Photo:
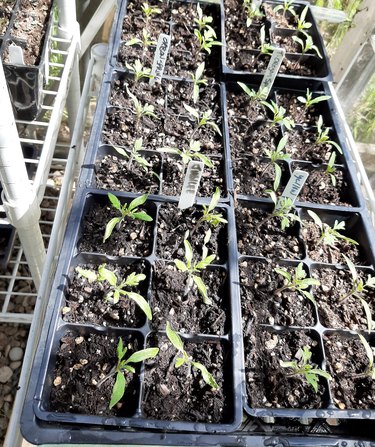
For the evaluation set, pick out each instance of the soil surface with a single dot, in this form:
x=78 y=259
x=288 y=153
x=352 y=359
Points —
x=87 y=303
x=320 y=252
x=268 y=239
x=117 y=173
x=173 y=223
x=30 y=25
x=335 y=312
x=261 y=302
x=185 y=310
x=82 y=363
x=181 y=394
x=347 y=363
x=6 y=8
x=271 y=386
x=133 y=238
x=302 y=115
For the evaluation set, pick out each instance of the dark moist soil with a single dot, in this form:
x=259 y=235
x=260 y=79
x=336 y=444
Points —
x=252 y=176
x=180 y=394
x=173 y=223
x=347 y=362
x=336 y=314
x=297 y=110
x=302 y=146
x=247 y=139
x=269 y=240
x=30 y=25
x=261 y=303
x=114 y=173
x=281 y=20
x=188 y=314
x=134 y=238
x=87 y=303
x=271 y=386
x=318 y=187
x=242 y=112
x=320 y=252
x=286 y=42
x=82 y=361
x=6 y=8
x=212 y=178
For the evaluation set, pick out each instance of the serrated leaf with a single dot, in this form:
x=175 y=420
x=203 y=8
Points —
x=118 y=389
x=207 y=377
x=110 y=226
x=202 y=289
x=142 y=303
x=134 y=279
x=142 y=355
x=174 y=338
x=312 y=379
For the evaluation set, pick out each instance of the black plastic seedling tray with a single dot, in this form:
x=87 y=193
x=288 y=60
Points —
x=25 y=82
x=286 y=76
x=239 y=250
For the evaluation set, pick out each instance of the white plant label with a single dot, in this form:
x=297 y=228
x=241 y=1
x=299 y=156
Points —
x=191 y=182
x=295 y=184
x=271 y=71
x=16 y=55
x=161 y=53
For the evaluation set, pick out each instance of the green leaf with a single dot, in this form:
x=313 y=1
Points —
x=192 y=111
x=107 y=275
x=142 y=303
x=205 y=262
x=110 y=226
x=308 y=295
x=215 y=127
x=137 y=202
x=315 y=218
x=207 y=377
x=202 y=289
x=214 y=201
x=143 y=355
x=199 y=71
x=367 y=310
x=174 y=338
x=288 y=364
x=134 y=279
x=284 y=273
x=352 y=269
x=129 y=368
x=133 y=41
x=188 y=253
x=205 y=159
x=278 y=173
x=312 y=379
x=118 y=389
x=181 y=265
x=369 y=353
x=114 y=201
x=321 y=373
x=121 y=350
x=88 y=274
x=179 y=362
x=142 y=215
x=120 y=151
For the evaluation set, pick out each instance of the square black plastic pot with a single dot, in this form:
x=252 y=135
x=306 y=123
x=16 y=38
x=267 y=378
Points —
x=322 y=67
x=25 y=82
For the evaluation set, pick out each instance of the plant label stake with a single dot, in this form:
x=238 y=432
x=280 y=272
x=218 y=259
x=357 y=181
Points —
x=191 y=182
x=295 y=184
x=160 y=58
x=16 y=55
x=271 y=72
